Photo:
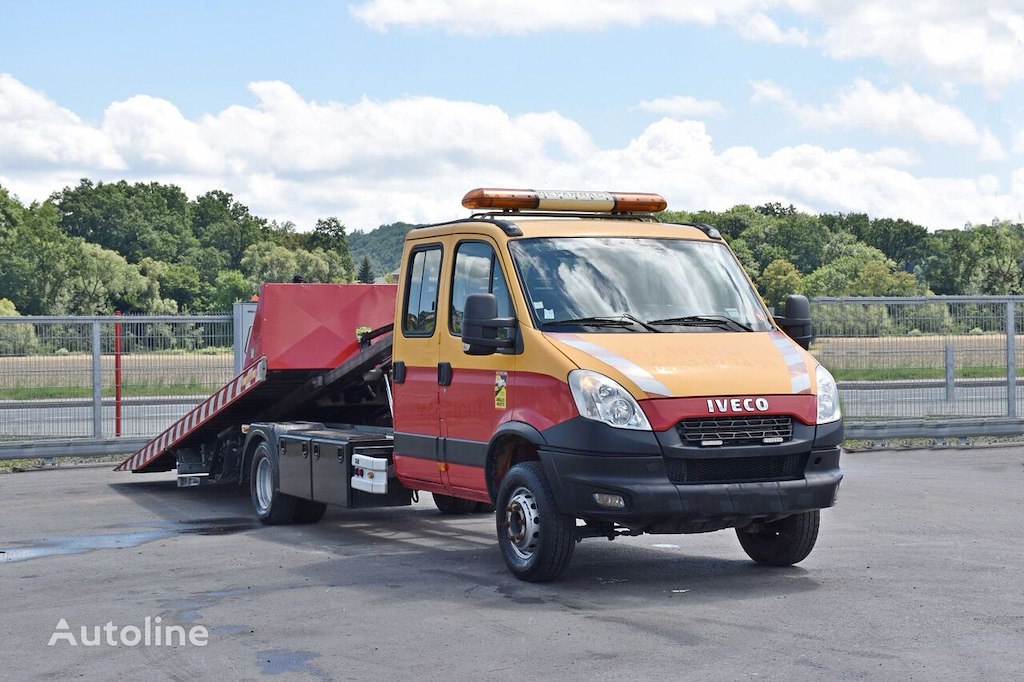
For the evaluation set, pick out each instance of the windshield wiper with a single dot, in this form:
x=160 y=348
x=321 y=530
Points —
x=704 y=321
x=621 y=320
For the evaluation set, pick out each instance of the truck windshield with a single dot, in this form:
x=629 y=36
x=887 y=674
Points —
x=623 y=284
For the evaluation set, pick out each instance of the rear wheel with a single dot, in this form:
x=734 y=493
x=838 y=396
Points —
x=272 y=507
x=536 y=541
x=447 y=504
x=782 y=543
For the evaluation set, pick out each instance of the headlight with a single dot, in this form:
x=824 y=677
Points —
x=601 y=399
x=828 y=397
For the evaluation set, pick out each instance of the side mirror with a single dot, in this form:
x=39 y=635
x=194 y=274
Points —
x=796 y=320
x=480 y=325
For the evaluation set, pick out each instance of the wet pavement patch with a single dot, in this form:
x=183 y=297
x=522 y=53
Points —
x=278 y=661
x=158 y=530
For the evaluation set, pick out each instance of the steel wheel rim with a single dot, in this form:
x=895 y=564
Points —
x=264 y=485
x=522 y=523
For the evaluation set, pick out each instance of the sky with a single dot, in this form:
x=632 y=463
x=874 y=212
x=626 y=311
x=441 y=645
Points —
x=378 y=111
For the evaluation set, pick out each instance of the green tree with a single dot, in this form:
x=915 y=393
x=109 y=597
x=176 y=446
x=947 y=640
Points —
x=101 y=281
x=779 y=279
x=224 y=224
x=178 y=281
x=383 y=246
x=953 y=263
x=329 y=235
x=229 y=287
x=15 y=339
x=35 y=256
x=365 y=271
x=1002 y=246
x=900 y=240
x=135 y=220
x=865 y=272
x=797 y=237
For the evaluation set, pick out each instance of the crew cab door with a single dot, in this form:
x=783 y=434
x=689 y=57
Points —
x=415 y=373
x=476 y=396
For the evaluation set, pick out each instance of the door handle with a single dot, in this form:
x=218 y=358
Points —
x=398 y=372
x=444 y=374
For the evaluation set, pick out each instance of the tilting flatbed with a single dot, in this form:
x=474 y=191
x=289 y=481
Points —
x=297 y=353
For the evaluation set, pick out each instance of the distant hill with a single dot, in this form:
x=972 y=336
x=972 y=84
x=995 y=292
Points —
x=383 y=246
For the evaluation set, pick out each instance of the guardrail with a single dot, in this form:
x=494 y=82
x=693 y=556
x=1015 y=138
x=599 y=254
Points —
x=928 y=367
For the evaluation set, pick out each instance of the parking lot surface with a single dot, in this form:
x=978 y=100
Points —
x=918 y=574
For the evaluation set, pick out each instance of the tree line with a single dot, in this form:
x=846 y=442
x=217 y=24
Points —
x=148 y=248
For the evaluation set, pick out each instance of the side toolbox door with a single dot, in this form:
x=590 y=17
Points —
x=415 y=372
x=294 y=466
x=330 y=467
x=477 y=398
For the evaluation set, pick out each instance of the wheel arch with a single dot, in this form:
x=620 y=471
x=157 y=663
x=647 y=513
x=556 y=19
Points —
x=512 y=443
x=253 y=439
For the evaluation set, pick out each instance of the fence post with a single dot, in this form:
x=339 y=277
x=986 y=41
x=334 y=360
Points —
x=97 y=382
x=950 y=378
x=1011 y=359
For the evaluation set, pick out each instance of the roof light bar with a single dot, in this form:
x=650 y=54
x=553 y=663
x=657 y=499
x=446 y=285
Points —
x=561 y=200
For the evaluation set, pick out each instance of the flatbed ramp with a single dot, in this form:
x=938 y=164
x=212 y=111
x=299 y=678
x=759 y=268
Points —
x=304 y=343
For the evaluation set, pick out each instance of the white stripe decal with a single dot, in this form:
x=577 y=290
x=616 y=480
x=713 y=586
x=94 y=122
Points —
x=637 y=374
x=800 y=380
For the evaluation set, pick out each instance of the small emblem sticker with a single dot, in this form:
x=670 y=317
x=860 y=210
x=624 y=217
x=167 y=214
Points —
x=500 y=390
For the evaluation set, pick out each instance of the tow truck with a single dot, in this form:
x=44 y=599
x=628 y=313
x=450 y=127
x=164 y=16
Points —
x=561 y=358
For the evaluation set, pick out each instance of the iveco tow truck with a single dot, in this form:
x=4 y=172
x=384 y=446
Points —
x=559 y=357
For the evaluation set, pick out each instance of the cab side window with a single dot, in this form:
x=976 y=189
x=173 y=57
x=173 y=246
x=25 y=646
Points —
x=477 y=272
x=420 y=315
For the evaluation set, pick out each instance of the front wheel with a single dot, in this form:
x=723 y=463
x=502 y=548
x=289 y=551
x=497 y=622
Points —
x=782 y=543
x=536 y=541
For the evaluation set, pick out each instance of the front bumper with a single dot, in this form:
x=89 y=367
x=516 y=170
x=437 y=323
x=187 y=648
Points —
x=640 y=474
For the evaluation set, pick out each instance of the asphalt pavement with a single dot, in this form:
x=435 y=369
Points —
x=918 y=574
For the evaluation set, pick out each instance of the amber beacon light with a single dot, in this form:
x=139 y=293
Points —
x=564 y=200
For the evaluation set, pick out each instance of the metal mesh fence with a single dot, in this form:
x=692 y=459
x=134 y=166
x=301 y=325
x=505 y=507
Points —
x=898 y=361
x=63 y=377
x=922 y=358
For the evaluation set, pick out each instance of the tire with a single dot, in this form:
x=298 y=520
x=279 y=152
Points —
x=272 y=507
x=308 y=511
x=536 y=541
x=453 y=505
x=782 y=543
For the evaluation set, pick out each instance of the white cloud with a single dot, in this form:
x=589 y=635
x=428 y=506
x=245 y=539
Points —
x=412 y=159
x=682 y=105
x=151 y=133
x=1018 y=141
x=37 y=133
x=530 y=16
x=762 y=28
x=900 y=112
x=977 y=42
x=991 y=147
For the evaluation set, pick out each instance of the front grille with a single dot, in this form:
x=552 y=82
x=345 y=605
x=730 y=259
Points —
x=736 y=469
x=735 y=430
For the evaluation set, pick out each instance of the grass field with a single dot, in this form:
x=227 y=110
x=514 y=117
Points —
x=916 y=357
x=70 y=376
x=155 y=374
